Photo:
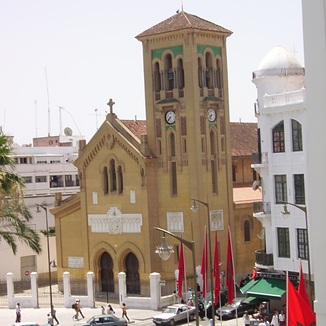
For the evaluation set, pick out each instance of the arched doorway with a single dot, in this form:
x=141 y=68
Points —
x=132 y=274
x=106 y=266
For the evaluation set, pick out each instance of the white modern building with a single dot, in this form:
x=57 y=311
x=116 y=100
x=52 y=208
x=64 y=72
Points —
x=281 y=113
x=47 y=170
x=314 y=31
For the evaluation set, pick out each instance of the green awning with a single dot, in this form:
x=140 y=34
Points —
x=249 y=299
x=248 y=285
x=266 y=288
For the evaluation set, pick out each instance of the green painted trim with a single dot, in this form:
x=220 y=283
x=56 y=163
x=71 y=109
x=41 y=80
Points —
x=157 y=54
x=216 y=50
x=168 y=127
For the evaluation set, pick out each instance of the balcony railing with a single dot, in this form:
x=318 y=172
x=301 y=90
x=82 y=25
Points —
x=262 y=207
x=264 y=259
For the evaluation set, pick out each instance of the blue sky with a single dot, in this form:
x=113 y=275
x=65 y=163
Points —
x=75 y=54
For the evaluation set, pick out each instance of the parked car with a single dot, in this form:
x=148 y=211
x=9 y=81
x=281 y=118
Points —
x=238 y=307
x=175 y=313
x=104 y=320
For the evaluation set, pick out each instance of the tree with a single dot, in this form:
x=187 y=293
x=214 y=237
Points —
x=13 y=211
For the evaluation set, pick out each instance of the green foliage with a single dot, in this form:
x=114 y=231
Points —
x=13 y=211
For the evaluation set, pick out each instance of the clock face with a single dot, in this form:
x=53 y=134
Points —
x=170 y=117
x=211 y=115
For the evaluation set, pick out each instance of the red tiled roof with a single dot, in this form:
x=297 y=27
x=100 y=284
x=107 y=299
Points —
x=243 y=135
x=243 y=138
x=137 y=127
x=180 y=21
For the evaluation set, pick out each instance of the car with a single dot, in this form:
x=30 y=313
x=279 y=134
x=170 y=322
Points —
x=238 y=307
x=104 y=320
x=175 y=313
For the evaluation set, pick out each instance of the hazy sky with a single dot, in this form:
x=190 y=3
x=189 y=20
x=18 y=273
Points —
x=76 y=54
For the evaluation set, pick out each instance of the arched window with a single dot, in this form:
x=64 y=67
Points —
x=120 y=180
x=218 y=74
x=212 y=142
x=169 y=72
x=296 y=136
x=157 y=78
x=105 y=181
x=246 y=231
x=209 y=70
x=181 y=78
x=113 y=176
x=200 y=73
x=172 y=144
x=278 y=138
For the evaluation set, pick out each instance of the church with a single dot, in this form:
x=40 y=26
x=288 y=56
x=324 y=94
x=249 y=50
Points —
x=138 y=175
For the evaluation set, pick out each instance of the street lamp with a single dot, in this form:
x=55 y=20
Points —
x=165 y=251
x=303 y=209
x=48 y=247
x=194 y=209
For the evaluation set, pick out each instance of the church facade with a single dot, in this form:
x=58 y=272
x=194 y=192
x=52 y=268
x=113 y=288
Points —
x=138 y=175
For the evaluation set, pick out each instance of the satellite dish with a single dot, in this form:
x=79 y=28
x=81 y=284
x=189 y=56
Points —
x=68 y=131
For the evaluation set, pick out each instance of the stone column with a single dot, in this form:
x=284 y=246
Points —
x=90 y=290
x=34 y=288
x=155 y=290
x=122 y=287
x=66 y=289
x=10 y=290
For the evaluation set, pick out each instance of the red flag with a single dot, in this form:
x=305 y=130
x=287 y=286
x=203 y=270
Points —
x=181 y=267
x=204 y=266
x=229 y=271
x=216 y=272
x=302 y=288
x=254 y=274
x=298 y=311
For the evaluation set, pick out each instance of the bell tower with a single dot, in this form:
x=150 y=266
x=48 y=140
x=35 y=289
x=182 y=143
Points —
x=187 y=112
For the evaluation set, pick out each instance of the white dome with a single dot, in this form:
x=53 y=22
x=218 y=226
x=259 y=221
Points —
x=279 y=58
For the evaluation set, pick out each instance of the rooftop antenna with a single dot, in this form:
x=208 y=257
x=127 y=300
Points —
x=60 y=120
x=71 y=118
x=47 y=91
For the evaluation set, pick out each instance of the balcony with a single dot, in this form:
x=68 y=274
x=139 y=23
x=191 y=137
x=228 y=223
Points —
x=260 y=158
x=262 y=210
x=264 y=260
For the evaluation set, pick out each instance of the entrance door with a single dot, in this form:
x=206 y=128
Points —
x=132 y=274
x=107 y=281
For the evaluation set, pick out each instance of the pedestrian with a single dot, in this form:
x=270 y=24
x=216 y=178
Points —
x=110 y=310
x=246 y=318
x=54 y=315
x=190 y=302
x=275 y=320
x=281 y=318
x=201 y=310
x=174 y=297
x=50 y=319
x=189 y=294
x=78 y=309
x=18 y=313
x=124 y=312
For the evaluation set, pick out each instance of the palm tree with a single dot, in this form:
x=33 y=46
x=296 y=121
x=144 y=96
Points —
x=13 y=211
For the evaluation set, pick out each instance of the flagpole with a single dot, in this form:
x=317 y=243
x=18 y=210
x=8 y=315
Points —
x=233 y=271
x=287 y=299
x=186 y=286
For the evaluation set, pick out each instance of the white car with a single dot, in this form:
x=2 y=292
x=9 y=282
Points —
x=174 y=313
x=27 y=323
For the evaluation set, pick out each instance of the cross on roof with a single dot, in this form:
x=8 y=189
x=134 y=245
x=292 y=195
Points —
x=110 y=104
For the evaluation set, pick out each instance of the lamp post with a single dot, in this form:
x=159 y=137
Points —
x=194 y=209
x=165 y=251
x=48 y=249
x=303 y=209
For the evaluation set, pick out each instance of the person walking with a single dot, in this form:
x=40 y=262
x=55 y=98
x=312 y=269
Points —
x=275 y=320
x=18 y=313
x=54 y=315
x=50 y=319
x=110 y=310
x=78 y=310
x=174 y=297
x=246 y=318
x=281 y=318
x=124 y=312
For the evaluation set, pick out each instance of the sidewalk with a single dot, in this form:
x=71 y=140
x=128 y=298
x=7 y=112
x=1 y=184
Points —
x=64 y=315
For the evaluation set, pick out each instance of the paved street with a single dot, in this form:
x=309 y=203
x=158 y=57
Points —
x=64 y=315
